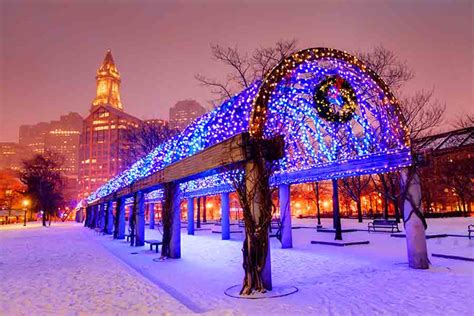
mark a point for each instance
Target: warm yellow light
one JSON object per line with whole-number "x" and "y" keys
{"x": 26, "y": 203}
{"x": 325, "y": 203}
{"x": 209, "y": 205}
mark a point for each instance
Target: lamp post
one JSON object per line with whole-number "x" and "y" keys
{"x": 25, "y": 206}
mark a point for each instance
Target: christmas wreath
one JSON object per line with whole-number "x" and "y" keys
{"x": 335, "y": 100}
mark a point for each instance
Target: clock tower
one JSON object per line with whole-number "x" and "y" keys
{"x": 103, "y": 141}
{"x": 108, "y": 84}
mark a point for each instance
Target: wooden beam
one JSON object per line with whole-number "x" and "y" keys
{"x": 229, "y": 151}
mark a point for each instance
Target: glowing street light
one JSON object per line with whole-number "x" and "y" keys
{"x": 25, "y": 206}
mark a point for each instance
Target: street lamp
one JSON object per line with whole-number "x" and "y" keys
{"x": 25, "y": 206}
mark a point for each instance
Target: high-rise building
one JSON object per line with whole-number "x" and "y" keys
{"x": 61, "y": 137}
{"x": 32, "y": 136}
{"x": 103, "y": 137}
{"x": 12, "y": 155}
{"x": 184, "y": 112}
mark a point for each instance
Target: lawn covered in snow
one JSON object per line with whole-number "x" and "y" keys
{"x": 94, "y": 274}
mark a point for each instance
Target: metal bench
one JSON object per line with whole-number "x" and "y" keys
{"x": 470, "y": 230}
{"x": 383, "y": 224}
{"x": 154, "y": 242}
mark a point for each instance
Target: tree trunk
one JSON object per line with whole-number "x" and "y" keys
{"x": 257, "y": 216}
{"x": 466, "y": 212}
{"x": 397, "y": 210}
{"x": 335, "y": 206}
{"x": 318, "y": 207}
{"x": 359, "y": 210}
{"x": 385, "y": 207}
{"x": 167, "y": 218}
{"x": 415, "y": 224}
{"x": 44, "y": 218}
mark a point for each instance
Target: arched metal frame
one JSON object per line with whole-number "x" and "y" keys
{"x": 374, "y": 140}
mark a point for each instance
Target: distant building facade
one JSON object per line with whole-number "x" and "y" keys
{"x": 447, "y": 155}
{"x": 32, "y": 136}
{"x": 157, "y": 122}
{"x": 184, "y": 112}
{"x": 61, "y": 137}
{"x": 103, "y": 141}
{"x": 12, "y": 155}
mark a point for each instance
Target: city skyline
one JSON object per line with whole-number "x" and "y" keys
{"x": 57, "y": 47}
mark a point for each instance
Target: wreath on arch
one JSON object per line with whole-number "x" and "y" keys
{"x": 335, "y": 99}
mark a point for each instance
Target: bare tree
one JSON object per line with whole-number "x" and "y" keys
{"x": 421, "y": 111}
{"x": 144, "y": 139}
{"x": 354, "y": 187}
{"x": 464, "y": 121}
{"x": 42, "y": 177}
{"x": 243, "y": 68}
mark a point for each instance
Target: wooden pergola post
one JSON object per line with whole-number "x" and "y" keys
{"x": 109, "y": 219}
{"x": 119, "y": 232}
{"x": 285, "y": 216}
{"x": 151, "y": 215}
{"x": 190, "y": 216}
{"x": 140, "y": 220}
{"x": 225, "y": 215}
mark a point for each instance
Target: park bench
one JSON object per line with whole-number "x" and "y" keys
{"x": 154, "y": 242}
{"x": 383, "y": 224}
{"x": 127, "y": 236}
{"x": 470, "y": 230}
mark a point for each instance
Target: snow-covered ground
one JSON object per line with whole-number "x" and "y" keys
{"x": 92, "y": 274}
{"x": 63, "y": 270}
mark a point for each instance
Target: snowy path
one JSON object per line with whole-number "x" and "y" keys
{"x": 61, "y": 270}
{"x": 357, "y": 280}
{"x": 91, "y": 274}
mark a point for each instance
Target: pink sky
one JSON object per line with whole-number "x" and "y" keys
{"x": 50, "y": 50}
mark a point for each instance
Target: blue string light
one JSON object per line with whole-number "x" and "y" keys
{"x": 375, "y": 130}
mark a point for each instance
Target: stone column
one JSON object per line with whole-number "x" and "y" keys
{"x": 225, "y": 215}
{"x": 175, "y": 245}
{"x": 190, "y": 216}
{"x": 151, "y": 215}
{"x": 414, "y": 227}
{"x": 285, "y": 216}
{"x": 140, "y": 221}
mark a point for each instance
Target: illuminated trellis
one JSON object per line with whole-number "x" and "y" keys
{"x": 374, "y": 139}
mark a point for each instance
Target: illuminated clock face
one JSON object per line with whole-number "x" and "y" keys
{"x": 102, "y": 88}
